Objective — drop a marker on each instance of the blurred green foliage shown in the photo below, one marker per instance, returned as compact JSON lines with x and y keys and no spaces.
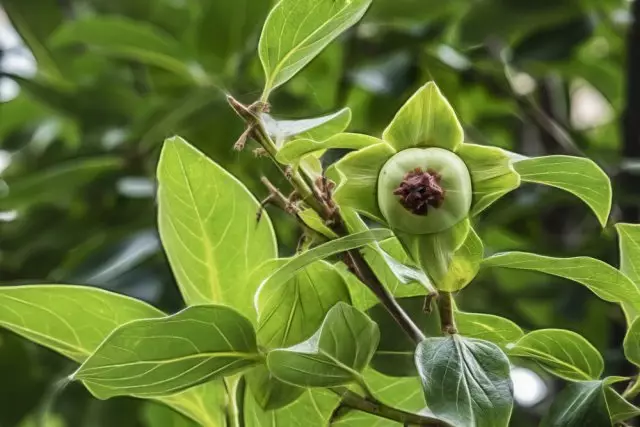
{"x":115,"y":77}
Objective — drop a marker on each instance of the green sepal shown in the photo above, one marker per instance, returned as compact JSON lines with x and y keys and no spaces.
{"x":425,"y":120}
{"x":492,"y":174}
{"x":357,"y":175}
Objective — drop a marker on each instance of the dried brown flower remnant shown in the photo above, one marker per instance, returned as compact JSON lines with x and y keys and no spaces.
{"x":420,"y":190}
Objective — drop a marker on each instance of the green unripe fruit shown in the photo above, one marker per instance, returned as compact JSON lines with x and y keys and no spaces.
{"x":424,"y":190}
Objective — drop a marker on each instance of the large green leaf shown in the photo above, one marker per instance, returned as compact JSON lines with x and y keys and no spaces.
{"x":313,"y":409}
{"x":401,"y":393}
{"x":579,"y":176}
{"x":298,"y":30}
{"x":492,"y":174}
{"x":357,"y":177}
{"x":335,"y":355}
{"x":125,"y":38}
{"x":71,"y":320}
{"x":602,"y":279}
{"x":155,"y":357}
{"x":488,"y":327}
{"x":632,"y":343}
{"x":426,"y":120}
{"x":208,"y":229}
{"x":298,"y":262}
{"x":293,"y":151}
{"x":580,"y":404}
{"x":466,"y":381}
{"x":563,"y":353}
{"x":66,"y":178}
{"x":315,"y":129}
{"x":629,"y":237}
{"x":291,"y":311}
{"x":74,"y":320}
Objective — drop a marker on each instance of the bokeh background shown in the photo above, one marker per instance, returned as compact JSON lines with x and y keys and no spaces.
{"x":90,"y":88}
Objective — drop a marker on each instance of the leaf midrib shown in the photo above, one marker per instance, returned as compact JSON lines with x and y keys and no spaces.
{"x":210,"y":261}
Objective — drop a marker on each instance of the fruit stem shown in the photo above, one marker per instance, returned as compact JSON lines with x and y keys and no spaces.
{"x":447,"y":317}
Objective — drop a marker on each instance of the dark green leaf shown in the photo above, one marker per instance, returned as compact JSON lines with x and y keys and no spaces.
{"x":466,"y":381}
{"x":580,"y":404}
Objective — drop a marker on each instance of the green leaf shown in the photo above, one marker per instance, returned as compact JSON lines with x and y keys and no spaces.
{"x":619,"y":408}
{"x":602,"y":279}
{"x":189,"y":403}
{"x":124,"y":38}
{"x":401,"y":393}
{"x":632,"y":343}
{"x":316,"y":129}
{"x":488,"y":327}
{"x":466,"y":381}
{"x":563,"y":353}
{"x":492,"y":174}
{"x":156,"y":415}
{"x":579,"y":176}
{"x":208,"y":229}
{"x":291,"y":311}
{"x":580,"y":404}
{"x":425,"y":120}
{"x":451,"y":257}
{"x":346,"y":243}
{"x":312,"y":219}
{"x":334,"y":355}
{"x":293,"y":151}
{"x":155,"y":357}
{"x":313,"y":409}
{"x":357,"y":176}
{"x":74,"y":320}
{"x":395,"y":353}
{"x":269,"y":392}
{"x":67,"y":178}
{"x":296,"y":31}
{"x":629,"y":237}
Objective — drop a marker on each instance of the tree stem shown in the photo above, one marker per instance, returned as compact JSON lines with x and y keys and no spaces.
{"x":447,"y":318}
{"x":355,"y":401}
